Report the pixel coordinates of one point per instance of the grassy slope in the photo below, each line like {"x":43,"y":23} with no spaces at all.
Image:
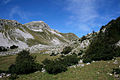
{"x":89,"y":72}
{"x":6,"y":61}
{"x":41,"y":37}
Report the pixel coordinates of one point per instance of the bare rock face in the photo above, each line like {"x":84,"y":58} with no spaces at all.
{"x":81,"y":44}
{"x":12,"y":33}
{"x":33,"y":36}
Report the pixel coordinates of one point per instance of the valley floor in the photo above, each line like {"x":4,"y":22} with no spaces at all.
{"x":100,"y":70}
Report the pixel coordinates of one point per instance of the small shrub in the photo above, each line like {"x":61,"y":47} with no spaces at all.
{"x":12,"y":69}
{"x":2,"y":49}
{"x":13,"y":77}
{"x":70,"y":60}
{"x":60,"y":64}
{"x":13,"y":47}
{"x":62,"y":56}
{"x":53,"y":54}
{"x":80,"y":53}
{"x":38,"y":67}
{"x":1,"y":71}
{"x":116,"y":71}
{"x":55,"y":67}
{"x":46,"y":61}
{"x":83,"y":38}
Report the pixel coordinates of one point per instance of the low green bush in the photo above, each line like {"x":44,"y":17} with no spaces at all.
{"x":46,"y":61}
{"x":69,"y":60}
{"x":24,"y":64}
{"x":13,"y":77}
{"x":55,"y":67}
{"x":80,"y":53}
{"x":38,"y":67}
{"x":116,"y":71}
{"x":2,"y":48}
{"x":13,"y":47}
{"x":83,"y":38}
{"x":60,"y":64}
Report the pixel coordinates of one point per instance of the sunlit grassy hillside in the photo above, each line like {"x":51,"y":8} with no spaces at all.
{"x":95,"y":71}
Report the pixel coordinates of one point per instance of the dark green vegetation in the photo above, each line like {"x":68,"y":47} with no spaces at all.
{"x":2,"y":48}
{"x":69,"y":60}
{"x":13,"y":77}
{"x":13,"y":47}
{"x":116,"y":71}
{"x":103,"y":45}
{"x":53,"y":66}
{"x":60,"y":64}
{"x":24,"y":64}
{"x":95,"y":71}
{"x":83,"y":38}
{"x":80,"y":53}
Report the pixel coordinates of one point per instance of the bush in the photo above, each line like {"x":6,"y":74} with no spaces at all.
{"x":116,"y":71}
{"x":12,"y":69}
{"x":13,"y":77}
{"x":99,"y":50}
{"x":2,"y":49}
{"x":53,"y":54}
{"x":38,"y":67}
{"x":25,"y":63}
{"x":55,"y":67}
{"x":70,"y":60}
{"x":66,"y":50}
{"x":46,"y":61}
{"x":83,"y":38}
{"x":13,"y":47}
{"x":60,"y":64}
{"x":62,"y":56}
{"x":80,"y":53}
{"x":1,"y":71}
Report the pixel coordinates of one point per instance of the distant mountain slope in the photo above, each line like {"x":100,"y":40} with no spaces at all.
{"x":31,"y":34}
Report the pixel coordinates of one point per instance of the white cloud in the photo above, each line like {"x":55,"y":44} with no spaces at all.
{"x":84,"y":10}
{"x":83,"y":13}
{"x":6,"y":1}
{"x":88,"y":15}
{"x":17,"y":11}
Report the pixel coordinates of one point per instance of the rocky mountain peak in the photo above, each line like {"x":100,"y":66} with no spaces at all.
{"x":8,"y":22}
{"x":36,"y":25}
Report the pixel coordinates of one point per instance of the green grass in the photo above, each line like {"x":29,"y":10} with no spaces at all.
{"x":88,"y":72}
{"x":6,"y":61}
{"x":37,"y":37}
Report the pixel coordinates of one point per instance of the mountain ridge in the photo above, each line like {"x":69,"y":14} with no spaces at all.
{"x":31,"y":34}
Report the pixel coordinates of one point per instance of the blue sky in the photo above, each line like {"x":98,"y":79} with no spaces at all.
{"x":76,"y":16}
